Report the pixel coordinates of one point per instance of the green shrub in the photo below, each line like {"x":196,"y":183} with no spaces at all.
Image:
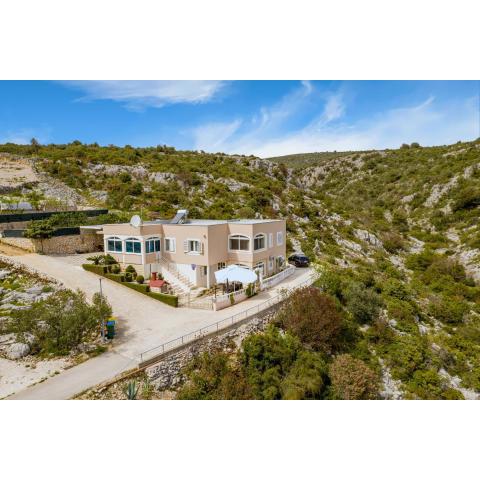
{"x":468,"y":197}
{"x":363,"y":303}
{"x":426,"y":385}
{"x":306,"y":378}
{"x":128,"y":276}
{"x":60,"y":322}
{"x":130,"y":269}
{"x":406,"y":354}
{"x":115,"y":277}
{"x":266,"y":359}
{"x":109,"y":260}
{"x":98,"y":269}
{"x":171,"y":300}
{"x":396,"y":289}
{"x":452,"y":394}
{"x":96,"y":259}
{"x":449,"y":310}
{"x":116,"y":269}
{"x":212,"y":376}
{"x":420,"y":261}
{"x":142,"y":288}
{"x":232,"y":299}
{"x":392,"y":242}
{"x":140,"y":279}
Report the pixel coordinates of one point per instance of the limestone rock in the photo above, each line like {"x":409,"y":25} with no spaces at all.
{"x":17,"y":351}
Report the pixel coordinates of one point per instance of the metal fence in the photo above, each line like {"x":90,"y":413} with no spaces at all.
{"x":59,"y":232}
{"x":27,"y":216}
{"x":220,"y":325}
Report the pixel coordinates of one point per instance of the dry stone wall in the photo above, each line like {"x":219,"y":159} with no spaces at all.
{"x":68,"y":244}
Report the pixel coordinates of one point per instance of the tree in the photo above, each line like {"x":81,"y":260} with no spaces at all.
{"x":40,"y":230}
{"x":314,"y":318}
{"x":306,"y":378}
{"x":266,"y":359}
{"x":35,"y":144}
{"x":102,"y":308}
{"x":352,"y":379}
{"x":363,"y":303}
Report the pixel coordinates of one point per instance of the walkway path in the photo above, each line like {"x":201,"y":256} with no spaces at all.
{"x":143,"y":323}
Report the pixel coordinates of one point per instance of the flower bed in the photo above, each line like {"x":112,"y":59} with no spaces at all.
{"x":102,"y":270}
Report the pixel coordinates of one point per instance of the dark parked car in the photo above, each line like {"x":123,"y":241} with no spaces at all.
{"x":299,"y":260}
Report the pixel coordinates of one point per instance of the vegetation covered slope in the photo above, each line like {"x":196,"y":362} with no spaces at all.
{"x":395,"y":234}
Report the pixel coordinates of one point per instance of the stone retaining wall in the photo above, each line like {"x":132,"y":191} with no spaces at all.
{"x":67,"y":244}
{"x":166,"y":373}
{"x":19,"y":242}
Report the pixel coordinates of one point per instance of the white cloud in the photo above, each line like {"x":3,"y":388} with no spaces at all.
{"x":429,"y":123}
{"x":23,"y":136}
{"x":138,"y":94}
{"x":215,"y":135}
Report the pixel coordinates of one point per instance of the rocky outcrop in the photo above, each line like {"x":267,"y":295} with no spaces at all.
{"x":17,"y":350}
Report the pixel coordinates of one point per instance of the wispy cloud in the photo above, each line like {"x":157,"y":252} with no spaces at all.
{"x":139,"y":94}
{"x":24,"y":135}
{"x":429,"y":122}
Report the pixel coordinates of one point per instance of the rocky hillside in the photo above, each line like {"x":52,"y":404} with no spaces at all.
{"x":395,"y":234}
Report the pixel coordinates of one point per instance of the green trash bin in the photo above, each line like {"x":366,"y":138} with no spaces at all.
{"x":110,"y":329}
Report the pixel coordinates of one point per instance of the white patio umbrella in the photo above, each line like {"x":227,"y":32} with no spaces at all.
{"x":234,"y":273}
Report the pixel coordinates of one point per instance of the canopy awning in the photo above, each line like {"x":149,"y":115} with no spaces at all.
{"x":234,"y":273}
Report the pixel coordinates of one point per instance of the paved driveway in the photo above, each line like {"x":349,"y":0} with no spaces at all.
{"x":143,"y":323}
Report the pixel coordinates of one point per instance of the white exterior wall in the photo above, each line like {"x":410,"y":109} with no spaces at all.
{"x":187,"y":271}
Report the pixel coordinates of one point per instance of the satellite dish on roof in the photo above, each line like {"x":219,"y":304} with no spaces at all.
{"x":136,"y":221}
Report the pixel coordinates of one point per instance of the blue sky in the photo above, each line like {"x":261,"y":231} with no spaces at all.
{"x":264,"y":118}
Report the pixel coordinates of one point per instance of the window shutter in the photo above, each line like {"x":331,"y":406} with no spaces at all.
{"x":201,"y":248}
{"x":185,"y":246}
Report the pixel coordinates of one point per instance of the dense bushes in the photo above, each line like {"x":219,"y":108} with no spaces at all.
{"x":214,"y":376}
{"x":60,"y":322}
{"x":271,"y":365}
{"x":266,"y":359}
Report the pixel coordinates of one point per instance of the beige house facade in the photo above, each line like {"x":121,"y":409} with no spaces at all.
{"x":196,"y":249}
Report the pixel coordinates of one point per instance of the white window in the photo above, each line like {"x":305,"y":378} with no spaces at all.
{"x":192,"y":246}
{"x":133,"y":245}
{"x":259,"y":242}
{"x":169,"y":244}
{"x":270,"y":240}
{"x":152,"y":245}
{"x":239,"y":242}
{"x":279,"y":238}
{"x":114,"y":244}
{"x":260,"y":266}
{"x":221,"y":265}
